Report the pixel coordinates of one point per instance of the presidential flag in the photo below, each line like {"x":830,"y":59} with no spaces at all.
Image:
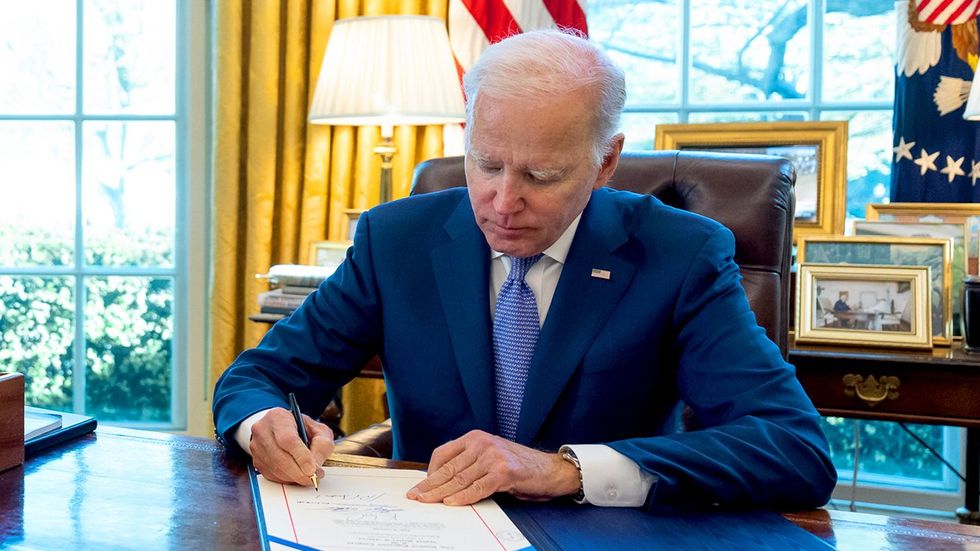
{"x":475,"y":24}
{"x":936,"y":152}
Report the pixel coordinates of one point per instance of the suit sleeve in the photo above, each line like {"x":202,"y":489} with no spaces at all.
{"x":321,"y":346}
{"x":760,"y":443}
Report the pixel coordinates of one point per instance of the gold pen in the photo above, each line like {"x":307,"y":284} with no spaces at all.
{"x":301,"y":428}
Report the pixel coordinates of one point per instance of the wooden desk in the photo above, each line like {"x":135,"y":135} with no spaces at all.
{"x":120,"y":488}
{"x":940,"y":387}
{"x":853,"y":318}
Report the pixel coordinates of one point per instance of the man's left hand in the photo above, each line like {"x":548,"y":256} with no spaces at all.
{"x":471,"y":468}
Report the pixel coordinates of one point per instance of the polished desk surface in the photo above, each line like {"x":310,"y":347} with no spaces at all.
{"x":125,"y":489}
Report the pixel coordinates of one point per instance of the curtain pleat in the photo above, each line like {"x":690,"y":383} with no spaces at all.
{"x":279,"y":183}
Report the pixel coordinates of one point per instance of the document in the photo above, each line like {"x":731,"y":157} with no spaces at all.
{"x":366,"y":509}
{"x":37,"y":423}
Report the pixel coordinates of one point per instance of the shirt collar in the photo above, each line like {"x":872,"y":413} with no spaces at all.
{"x":559,"y":249}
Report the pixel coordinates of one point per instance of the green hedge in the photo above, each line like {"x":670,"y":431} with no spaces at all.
{"x":128,"y":327}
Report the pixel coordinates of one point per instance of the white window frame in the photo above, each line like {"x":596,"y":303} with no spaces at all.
{"x":190,"y":392}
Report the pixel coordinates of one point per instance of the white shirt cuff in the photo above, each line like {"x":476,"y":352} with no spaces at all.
{"x":243,"y":434}
{"x":609,"y":478}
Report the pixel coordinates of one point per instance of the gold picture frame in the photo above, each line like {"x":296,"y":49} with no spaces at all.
{"x":893,"y":309}
{"x":957,"y":231}
{"x":327,"y":253}
{"x":820,"y":189}
{"x":965,"y":213}
{"x":351,"y":217}
{"x":892,"y":251}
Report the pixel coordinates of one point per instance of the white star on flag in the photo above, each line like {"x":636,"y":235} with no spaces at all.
{"x":903,"y":150}
{"x":926,"y":161}
{"x":975,"y":172}
{"x":953,"y":169}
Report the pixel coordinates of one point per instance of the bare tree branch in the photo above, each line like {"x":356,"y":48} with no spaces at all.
{"x":778,"y":31}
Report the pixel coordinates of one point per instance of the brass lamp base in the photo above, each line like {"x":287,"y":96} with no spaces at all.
{"x":386,"y":149}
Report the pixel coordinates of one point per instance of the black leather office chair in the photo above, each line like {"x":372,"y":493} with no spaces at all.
{"x":752,"y":195}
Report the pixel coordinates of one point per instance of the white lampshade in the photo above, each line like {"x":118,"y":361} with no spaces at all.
{"x":388,"y":70}
{"x":972,"y":111}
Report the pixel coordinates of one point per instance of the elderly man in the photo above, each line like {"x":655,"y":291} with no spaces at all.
{"x":539,"y":330}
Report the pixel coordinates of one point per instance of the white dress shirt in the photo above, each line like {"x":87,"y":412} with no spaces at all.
{"x":609,"y":478}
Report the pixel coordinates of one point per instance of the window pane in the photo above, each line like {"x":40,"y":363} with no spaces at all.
{"x":641,"y":128}
{"x":648,"y":57}
{"x":128,"y":331}
{"x":129,"y":184}
{"x":37,"y":213}
{"x":36,"y":332}
{"x":744,"y":50}
{"x":859,"y":51}
{"x":130,"y":55}
{"x":37,"y":57}
{"x":887,"y":453}
{"x":869,"y":150}
{"x":746,"y":116}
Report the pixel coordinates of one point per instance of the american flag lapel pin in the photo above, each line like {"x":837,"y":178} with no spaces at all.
{"x":601,"y":274}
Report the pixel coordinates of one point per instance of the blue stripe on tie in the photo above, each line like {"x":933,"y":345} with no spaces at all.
{"x":515,"y":334}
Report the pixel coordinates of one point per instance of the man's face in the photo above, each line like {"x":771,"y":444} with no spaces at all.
{"x":529,"y":169}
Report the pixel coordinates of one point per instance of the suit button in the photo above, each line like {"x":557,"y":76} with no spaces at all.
{"x":612,"y":493}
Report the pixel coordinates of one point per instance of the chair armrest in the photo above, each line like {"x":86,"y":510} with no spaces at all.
{"x":374,"y":441}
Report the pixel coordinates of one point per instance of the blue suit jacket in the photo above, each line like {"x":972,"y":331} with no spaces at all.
{"x":614,"y":358}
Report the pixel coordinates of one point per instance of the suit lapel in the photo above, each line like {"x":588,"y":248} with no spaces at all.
{"x":579,"y":309}
{"x":462,"y":268}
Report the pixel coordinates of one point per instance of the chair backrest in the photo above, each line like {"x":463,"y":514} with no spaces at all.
{"x":752,"y":195}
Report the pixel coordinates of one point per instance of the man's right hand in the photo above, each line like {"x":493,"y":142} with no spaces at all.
{"x":279,"y":453}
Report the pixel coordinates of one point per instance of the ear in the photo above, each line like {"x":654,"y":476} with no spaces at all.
{"x":610,"y":162}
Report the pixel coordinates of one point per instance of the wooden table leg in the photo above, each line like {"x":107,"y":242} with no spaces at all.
{"x":970,"y":514}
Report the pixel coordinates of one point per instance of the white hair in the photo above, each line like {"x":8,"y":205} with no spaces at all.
{"x":542,"y":64}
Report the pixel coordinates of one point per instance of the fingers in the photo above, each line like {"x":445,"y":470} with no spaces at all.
{"x":279,"y":453}
{"x":478,"y":464}
{"x":478,"y":490}
{"x":321,"y":442}
{"x":461,"y":472}
{"x":452,"y":478}
{"x":446,"y":452}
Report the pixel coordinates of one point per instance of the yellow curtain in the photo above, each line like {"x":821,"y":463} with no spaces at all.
{"x":280,"y":184}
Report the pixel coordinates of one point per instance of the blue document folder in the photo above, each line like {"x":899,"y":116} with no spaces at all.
{"x":569,"y":526}
{"x":72,"y":426}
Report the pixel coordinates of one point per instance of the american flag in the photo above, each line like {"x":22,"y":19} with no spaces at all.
{"x":936,"y":152}
{"x":475,"y":24}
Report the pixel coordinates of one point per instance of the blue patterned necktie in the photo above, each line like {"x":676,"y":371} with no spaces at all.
{"x":515,"y":334}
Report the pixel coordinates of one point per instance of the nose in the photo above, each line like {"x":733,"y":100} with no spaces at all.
{"x":509,"y":198}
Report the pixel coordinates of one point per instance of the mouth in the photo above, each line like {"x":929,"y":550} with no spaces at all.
{"x":509,"y":230}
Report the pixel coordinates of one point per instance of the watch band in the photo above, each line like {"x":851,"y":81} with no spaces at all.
{"x":568,"y":455}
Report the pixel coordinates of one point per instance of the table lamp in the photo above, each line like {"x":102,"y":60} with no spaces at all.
{"x":385,"y":71}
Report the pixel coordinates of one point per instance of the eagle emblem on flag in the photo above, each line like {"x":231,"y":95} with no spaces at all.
{"x":936,"y":152}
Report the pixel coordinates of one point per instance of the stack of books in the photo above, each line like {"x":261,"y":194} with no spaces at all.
{"x":291,"y":283}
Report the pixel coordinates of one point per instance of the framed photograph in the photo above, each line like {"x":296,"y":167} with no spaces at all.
{"x":967,"y":214}
{"x":864,"y":305}
{"x":350,"y":227}
{"x":955,"y":231}
{"x":818,"y":150}
{"x":935,"y":253}
{"x":329,"y":254}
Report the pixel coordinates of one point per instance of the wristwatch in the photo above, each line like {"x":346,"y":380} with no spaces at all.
{"x":568,"y":455}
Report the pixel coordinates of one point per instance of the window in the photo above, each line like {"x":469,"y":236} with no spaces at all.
{"x":92,"y":272}
{"x":769,"y":60}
